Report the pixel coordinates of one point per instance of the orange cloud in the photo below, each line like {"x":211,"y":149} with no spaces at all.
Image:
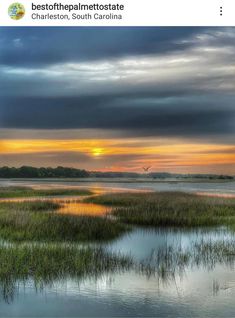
{"x":162,"y":154}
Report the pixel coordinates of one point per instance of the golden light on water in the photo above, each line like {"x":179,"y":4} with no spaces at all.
{"x":81,"y":208}
{"x":69,"y":206}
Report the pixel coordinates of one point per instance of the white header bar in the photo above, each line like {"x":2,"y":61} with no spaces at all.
{"x":120,"y":13}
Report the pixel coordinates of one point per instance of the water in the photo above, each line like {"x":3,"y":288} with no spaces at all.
{"x":200,"y":287}
{"x":68,"y":205}
{"x":215,"y":188}
{"x":197,"y":291}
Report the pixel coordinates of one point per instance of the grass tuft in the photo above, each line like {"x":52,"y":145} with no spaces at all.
{"x":169,"y":209}
{"x":18,"y":192}
{"x":48,"y":263}
{"x":21,"y":221}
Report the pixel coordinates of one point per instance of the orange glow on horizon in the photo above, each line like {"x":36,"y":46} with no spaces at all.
{"x":130,"y":154}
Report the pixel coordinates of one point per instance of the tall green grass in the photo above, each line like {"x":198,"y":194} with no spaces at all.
{"x":169,"y":209}
{"x":31,"y":206}
{"x":48,"y":263}
{"x":36,"y":221}
{"x":168,"y":261}
{"x":17,"y":192}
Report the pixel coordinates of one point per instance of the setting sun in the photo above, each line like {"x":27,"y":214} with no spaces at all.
{"x":97,"y":152}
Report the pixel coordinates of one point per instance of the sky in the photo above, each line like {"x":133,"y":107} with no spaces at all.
{"x":118,"y":99}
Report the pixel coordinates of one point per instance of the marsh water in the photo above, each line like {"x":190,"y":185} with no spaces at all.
{"x":213,"y":188}
{"x":202,"y":285}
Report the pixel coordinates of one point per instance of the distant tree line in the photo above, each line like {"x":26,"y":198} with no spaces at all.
{"x":32,"y":172}
{"x":164,"y":175}
{"x":64,"y":172}
{"x":98,"y":174}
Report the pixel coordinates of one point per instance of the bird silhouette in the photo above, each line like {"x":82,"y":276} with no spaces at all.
{"x":146,"y":169}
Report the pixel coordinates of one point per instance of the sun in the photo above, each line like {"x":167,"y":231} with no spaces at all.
{"x":97,"y":152}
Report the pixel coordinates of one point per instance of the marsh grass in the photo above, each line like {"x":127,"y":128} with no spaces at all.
{"x":49,"y":252}
{"x":18,"y":192}
{"x":168,"y":261}
{"x":39,"y":221}
{"x":33,"y":206}
{"x":46,"y":264}
{"x":169,"y":209}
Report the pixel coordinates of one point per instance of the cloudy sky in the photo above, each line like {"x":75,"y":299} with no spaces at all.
{"x":118,"y":98}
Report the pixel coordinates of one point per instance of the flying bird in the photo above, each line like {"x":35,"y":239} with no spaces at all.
{"x":146,"y":169}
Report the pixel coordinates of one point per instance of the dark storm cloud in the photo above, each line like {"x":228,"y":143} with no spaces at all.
{"x":46,"y":46}
{"x":138,"y":81}
{"x":178,"y":117}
